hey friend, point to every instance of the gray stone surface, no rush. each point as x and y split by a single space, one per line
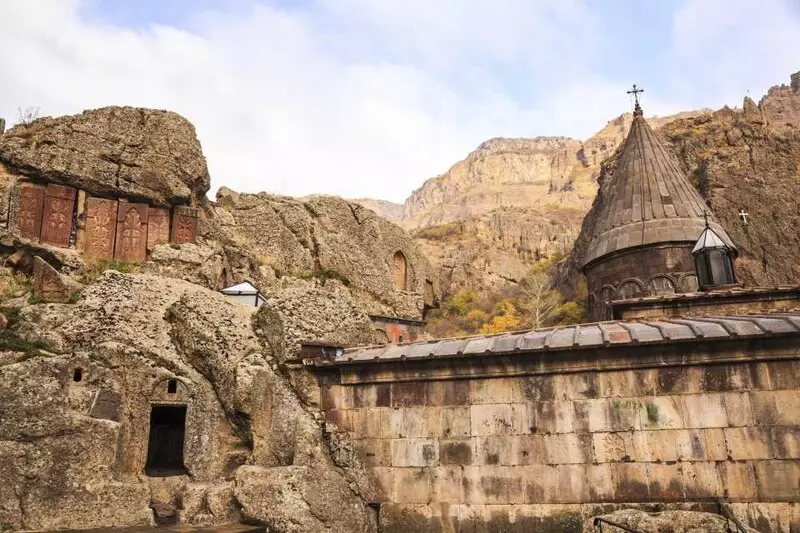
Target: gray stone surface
140 154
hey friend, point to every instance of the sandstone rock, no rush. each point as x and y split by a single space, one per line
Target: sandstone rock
74 431
666 522
140 154
50 285
301 500
323 237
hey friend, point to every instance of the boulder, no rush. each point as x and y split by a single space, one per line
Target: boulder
50 285
140 154
301 499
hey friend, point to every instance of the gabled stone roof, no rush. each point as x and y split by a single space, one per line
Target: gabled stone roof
647 200
582 336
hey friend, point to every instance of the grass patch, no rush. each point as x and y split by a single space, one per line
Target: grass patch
95 268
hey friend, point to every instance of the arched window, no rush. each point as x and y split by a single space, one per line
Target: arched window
400 271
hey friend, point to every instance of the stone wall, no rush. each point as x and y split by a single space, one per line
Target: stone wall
540 447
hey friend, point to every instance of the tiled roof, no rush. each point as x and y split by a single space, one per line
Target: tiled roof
647 200
583 336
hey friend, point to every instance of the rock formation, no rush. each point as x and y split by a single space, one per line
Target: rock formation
254 449
142 154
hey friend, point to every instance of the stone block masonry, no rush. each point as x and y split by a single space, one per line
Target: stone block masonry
493 446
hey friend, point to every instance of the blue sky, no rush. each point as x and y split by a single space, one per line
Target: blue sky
372 97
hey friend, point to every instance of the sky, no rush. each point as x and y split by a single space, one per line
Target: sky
368 98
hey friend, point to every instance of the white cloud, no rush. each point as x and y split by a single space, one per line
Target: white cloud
369 97
358 98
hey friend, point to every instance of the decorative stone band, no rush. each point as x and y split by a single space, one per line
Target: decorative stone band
649 232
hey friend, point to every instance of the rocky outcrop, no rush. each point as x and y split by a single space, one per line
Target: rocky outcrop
265 238
490 253
140 154
667 522
77 405
535 190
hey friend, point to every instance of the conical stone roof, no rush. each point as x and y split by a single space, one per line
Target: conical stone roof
647 200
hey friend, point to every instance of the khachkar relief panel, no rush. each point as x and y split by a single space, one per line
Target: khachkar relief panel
157 226
59 204
101 224
184 225
131 240
29 210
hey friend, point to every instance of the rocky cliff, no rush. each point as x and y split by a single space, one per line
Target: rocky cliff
79 398
95 355
141 154
154 157
508 204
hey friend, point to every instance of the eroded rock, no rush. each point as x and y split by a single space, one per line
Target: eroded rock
143 154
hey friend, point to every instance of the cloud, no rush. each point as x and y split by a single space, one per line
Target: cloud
369 97
358 98
723 48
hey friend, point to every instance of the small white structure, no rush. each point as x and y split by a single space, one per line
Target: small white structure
245 293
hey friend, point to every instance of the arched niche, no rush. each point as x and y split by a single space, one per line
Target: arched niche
380 336
603 302
628 289
661 285
399 271
689 283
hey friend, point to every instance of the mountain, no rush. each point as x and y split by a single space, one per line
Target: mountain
508 204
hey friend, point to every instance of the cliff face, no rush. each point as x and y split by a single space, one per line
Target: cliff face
746 158
142 154
158 351
509 203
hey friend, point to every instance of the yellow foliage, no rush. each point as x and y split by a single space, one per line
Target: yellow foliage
501 323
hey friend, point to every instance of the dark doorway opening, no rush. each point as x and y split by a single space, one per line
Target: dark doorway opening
165 449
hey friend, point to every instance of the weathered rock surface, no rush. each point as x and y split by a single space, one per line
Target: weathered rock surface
667 522
515 201
74 431
264 238
50 285
140 154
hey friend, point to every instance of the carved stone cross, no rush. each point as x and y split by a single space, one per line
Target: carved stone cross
743 214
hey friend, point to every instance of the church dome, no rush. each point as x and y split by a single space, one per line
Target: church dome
648 200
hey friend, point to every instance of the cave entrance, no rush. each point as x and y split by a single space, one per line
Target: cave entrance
165 449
